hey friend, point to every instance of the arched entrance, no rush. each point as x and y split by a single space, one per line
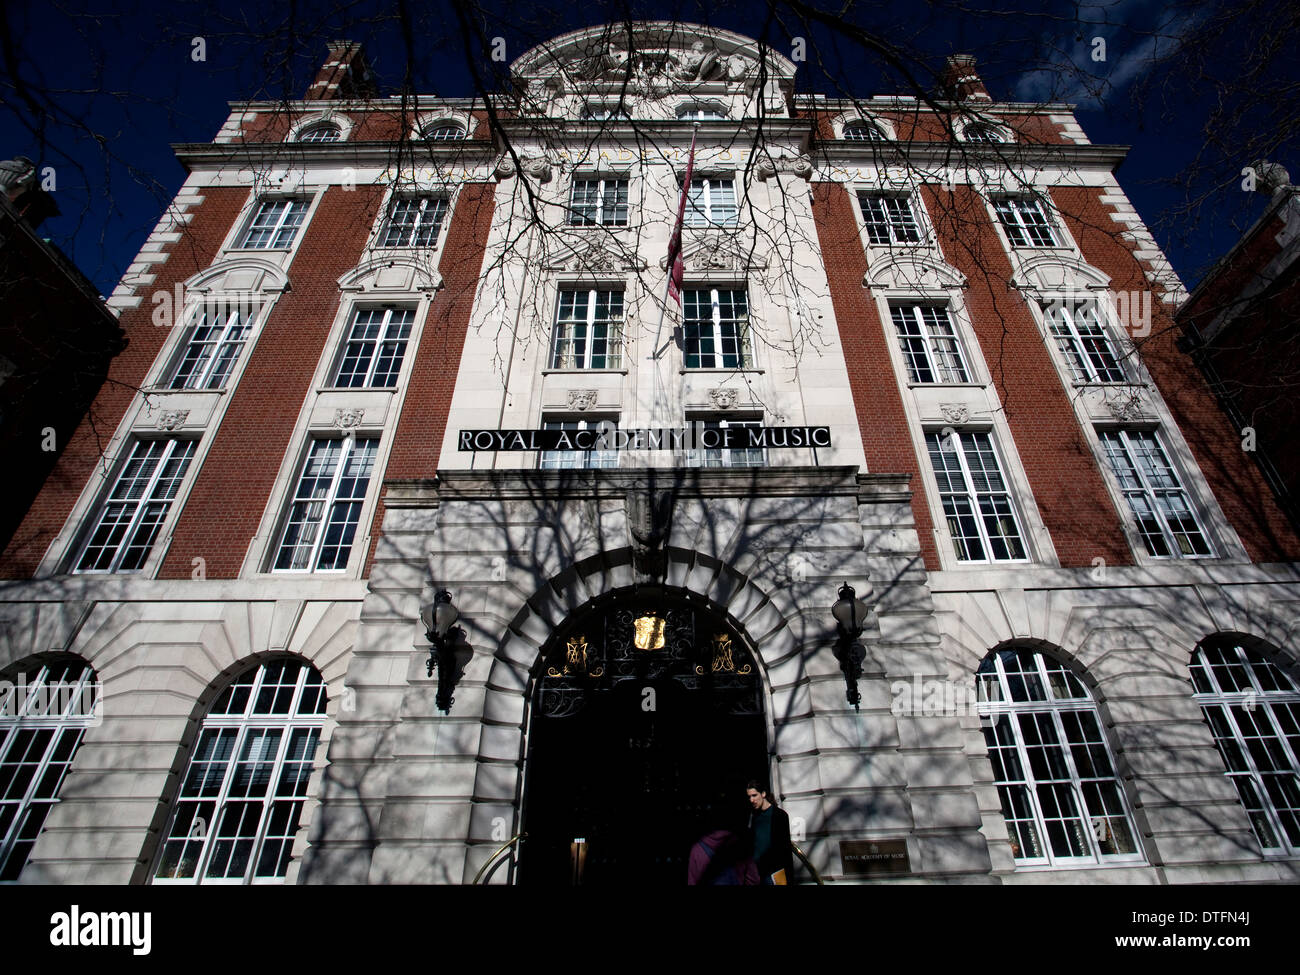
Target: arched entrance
646 723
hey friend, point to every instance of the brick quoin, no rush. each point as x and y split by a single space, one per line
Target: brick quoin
232 488
886 440
199 244
1246 499
423 423
1064 477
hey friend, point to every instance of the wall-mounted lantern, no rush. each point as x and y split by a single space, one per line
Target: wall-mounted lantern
850 614
448 650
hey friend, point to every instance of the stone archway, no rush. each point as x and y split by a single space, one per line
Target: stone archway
645 722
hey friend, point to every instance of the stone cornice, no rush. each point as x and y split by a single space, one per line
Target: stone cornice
207 154
548 486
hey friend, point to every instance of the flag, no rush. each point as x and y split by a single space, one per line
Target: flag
676 268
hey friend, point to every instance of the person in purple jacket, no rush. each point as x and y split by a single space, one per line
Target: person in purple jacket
721 859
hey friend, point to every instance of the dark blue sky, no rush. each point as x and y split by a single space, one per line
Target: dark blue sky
100 91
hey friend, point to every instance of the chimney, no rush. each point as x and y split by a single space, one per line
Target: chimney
344 74
960 82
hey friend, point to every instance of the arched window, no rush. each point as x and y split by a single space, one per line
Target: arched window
863 132
442 131
1253 709
45 708
982 132
243 793
325 132
1051 764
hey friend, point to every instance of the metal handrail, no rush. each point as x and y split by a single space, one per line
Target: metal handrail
808 863
495 856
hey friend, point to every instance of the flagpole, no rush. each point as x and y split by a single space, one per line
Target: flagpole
663 308
659 408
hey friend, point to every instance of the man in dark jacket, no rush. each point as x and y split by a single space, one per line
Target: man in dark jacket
769 831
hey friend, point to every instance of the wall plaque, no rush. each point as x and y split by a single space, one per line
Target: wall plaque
874 858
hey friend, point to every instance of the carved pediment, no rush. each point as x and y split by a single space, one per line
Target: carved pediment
912 271
602 256
1057 273
717 252
769 166
390 275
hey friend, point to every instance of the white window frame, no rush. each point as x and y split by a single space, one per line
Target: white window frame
244 724
604 112
699 210
428 203
994 707
278 228
442 130
384 338
238 316
865 125
1017 204
1253 703
912 309
705 457
605 185
744 350
1149 494
1073 345
332 128
614 329
984 133
973 497
702 112
144 499
890 223
328 501
33 715
559 460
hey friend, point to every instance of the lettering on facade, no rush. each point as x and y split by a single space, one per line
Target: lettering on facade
693 437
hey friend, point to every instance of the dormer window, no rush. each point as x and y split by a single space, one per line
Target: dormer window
325 132
442 132
700 113
864 132
984 133
593 112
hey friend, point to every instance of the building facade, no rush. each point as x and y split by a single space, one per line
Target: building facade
383 349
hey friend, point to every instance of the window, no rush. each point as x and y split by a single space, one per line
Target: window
213 347
716 329
863 132
1165 519
701 113
588 330
45 709
327 132
275 224
981 132
601 113
712 202
1052 767
571 459
975 496
929 344
1082 340
598 202
372 355
1025 223
703 456
414 221
326 505
128 521
889 218
442 132
242 796
1253 710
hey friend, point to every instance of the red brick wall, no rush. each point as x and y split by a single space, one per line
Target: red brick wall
1241 490
423 422
381 123
886 440
1063 473
196 249
230 493
923 125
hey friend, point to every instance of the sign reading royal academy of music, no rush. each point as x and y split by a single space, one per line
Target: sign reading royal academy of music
606 436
